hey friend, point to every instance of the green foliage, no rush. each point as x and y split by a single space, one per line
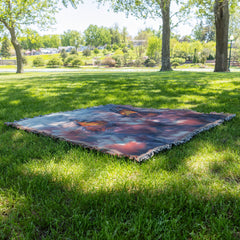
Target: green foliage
154 48
138 62
17 14
5 49
53 190
54 62
74 51
77 62
126 59
97 36
68 60
51 41
119 60
118 52
86 52
31 40
63 54
145 35
71 38
234 25
115 47
205 33
115 35
178 60
73 61
125 50
96 50
105 51
175 64
109 47
192 50
38 62
139 51
150 62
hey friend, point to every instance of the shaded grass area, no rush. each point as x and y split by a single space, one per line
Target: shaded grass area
53 190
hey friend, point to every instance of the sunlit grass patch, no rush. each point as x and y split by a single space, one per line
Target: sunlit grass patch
53 190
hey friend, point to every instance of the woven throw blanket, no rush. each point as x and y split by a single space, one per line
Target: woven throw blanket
136 133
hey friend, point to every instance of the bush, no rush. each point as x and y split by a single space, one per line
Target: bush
150 62
138 62
63 54
96 50
73 61
105 52
109 48
175 64
126 58
109 61
125 50
54 62
118 52
74 51
68 60
178 60
76 62
119 60
86 52
38 62
115 46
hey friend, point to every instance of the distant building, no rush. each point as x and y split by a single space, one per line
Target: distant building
48 50
67 48
33 52
82 48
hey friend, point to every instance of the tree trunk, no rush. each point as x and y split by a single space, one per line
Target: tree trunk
17 48
165 8
221 12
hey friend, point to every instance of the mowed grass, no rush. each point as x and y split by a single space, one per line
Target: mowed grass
53 190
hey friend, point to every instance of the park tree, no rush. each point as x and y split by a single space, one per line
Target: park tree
234 26
31 40
5 49
205 32
17 15
72 38
145 9
97 36
221 10
51 41
144 34
124 35
115 35
154 48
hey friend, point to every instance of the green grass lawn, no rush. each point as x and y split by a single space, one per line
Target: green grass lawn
53 190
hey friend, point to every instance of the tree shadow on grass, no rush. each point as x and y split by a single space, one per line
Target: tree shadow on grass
38 95
45 201
42 206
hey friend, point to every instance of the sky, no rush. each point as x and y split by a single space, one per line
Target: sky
88 13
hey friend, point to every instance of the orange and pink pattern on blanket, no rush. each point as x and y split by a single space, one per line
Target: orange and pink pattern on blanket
123 130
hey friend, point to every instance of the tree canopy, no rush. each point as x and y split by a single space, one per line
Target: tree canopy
145 9
17 15
97 36
220 10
